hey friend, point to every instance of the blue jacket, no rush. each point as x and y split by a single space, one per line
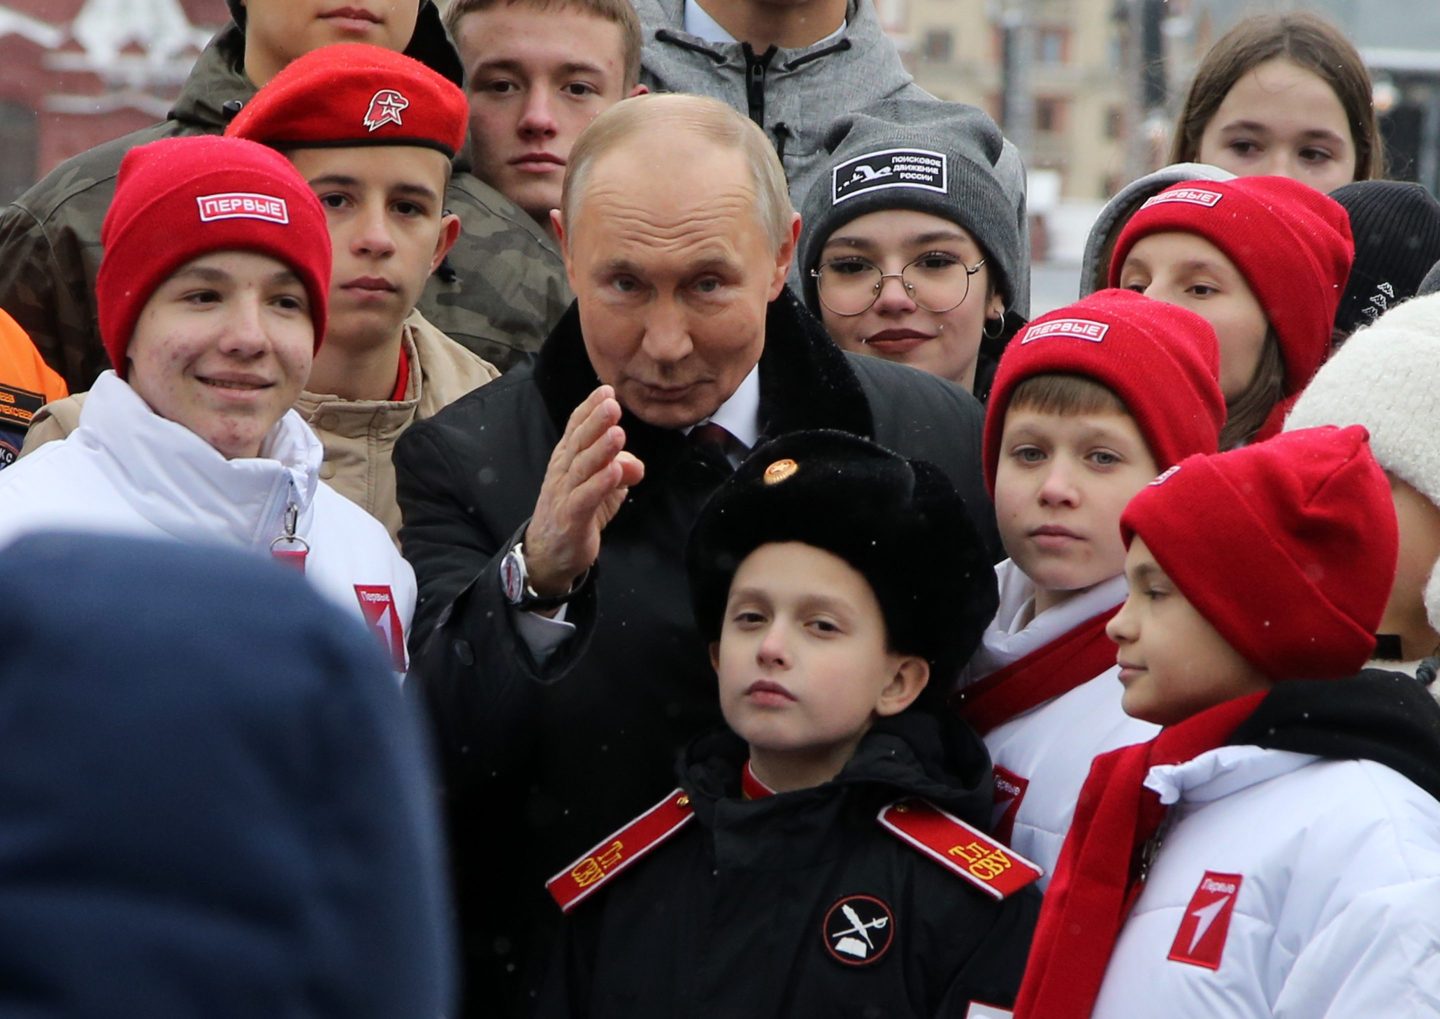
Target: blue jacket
213 801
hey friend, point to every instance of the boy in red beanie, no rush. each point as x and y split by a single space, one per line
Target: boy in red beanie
373 132
212 297
1265 261
1275 850
1089 403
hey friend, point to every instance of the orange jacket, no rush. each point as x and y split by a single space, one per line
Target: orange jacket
26 385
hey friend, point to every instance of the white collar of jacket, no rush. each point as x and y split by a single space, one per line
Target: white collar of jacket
1005 641
1218 773
181 484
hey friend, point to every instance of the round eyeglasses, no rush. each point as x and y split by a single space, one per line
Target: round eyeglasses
938 283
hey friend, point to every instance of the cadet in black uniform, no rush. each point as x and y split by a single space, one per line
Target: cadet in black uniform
825 856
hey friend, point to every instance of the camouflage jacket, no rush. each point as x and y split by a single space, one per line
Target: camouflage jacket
502 288
500 293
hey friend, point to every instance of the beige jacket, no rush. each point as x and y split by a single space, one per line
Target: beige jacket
358 435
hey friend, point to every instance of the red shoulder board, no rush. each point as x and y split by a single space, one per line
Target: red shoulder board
617 851
990 866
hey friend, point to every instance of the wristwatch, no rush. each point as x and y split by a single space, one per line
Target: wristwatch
515 583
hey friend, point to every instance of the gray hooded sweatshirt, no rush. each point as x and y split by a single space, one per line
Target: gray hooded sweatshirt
798 95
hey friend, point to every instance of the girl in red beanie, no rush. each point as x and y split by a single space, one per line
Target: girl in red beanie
1265 260
1275 850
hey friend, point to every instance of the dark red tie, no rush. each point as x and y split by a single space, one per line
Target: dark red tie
718 445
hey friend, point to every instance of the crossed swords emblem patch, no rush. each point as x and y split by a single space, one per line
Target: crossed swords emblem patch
859 929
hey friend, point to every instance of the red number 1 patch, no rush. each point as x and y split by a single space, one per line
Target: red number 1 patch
378 605
1200 941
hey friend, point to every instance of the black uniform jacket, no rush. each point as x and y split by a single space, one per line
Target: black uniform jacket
744 911
541 761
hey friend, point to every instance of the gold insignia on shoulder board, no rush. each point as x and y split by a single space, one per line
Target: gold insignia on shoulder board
780 470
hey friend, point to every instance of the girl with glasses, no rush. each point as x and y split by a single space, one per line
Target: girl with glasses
910 249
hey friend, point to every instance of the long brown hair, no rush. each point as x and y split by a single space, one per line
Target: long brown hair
1305 39
1247 412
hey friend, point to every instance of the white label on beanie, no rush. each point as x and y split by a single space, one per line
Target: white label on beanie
1190 196
890 168
385 107
1169 473
243 205
1075 328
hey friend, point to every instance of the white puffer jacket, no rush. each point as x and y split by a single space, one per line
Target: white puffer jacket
1287 886
126 470
1042 757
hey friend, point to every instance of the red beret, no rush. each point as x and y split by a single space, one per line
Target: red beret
355 94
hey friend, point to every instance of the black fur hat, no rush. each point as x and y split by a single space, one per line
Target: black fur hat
898 522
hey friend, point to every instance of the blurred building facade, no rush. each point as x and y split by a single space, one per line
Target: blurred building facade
1051 72
1089 89
80 72
1399 41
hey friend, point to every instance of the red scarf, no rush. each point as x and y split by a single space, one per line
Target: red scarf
1047 672
1096 880
402 377
750 785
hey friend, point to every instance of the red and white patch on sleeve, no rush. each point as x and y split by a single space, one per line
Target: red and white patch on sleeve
991 866
1200 941
1009 794
377 603
617 851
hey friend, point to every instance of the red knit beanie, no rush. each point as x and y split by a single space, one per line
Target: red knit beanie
1290 242
1161 360
181 198
355 94
1288 547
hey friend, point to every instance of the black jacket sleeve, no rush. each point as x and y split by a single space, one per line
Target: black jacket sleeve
924 417
991 974
476 673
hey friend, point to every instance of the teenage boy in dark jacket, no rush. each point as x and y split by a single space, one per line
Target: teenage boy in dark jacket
502 280
830 867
